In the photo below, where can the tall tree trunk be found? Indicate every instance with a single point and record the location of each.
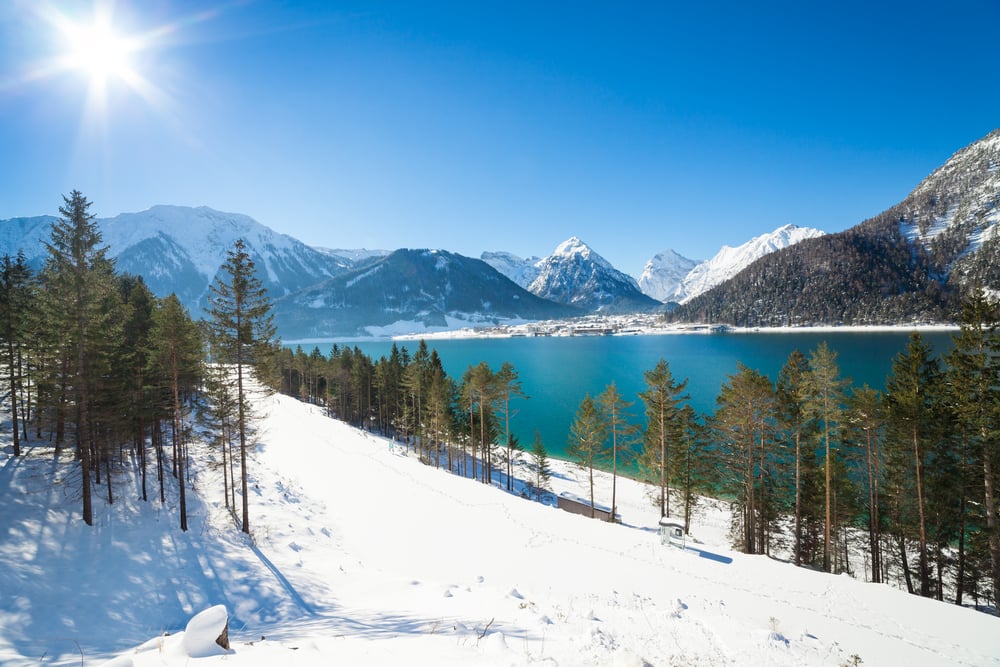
(798, 497)
(989, 500)
(179, 444)
(12, 376)
(922, 528)
(243, 446)
(829, 508)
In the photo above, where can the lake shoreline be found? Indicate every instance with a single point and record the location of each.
(569, 331)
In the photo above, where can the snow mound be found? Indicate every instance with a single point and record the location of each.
(203, 632)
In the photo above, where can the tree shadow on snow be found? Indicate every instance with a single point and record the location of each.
(72, 589)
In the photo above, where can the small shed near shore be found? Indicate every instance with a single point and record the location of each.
(577, 505)
(672, 532)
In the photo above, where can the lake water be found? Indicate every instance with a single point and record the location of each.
(556, 372)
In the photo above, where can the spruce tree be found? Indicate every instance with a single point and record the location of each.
(77, 272)
(243, 334)
(540, 464)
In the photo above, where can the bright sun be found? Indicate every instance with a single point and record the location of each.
(105, 56)
(97, 51)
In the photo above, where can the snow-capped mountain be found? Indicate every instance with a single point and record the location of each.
(165, 243)
(522, 271)
(663, 274)
(729, 261)
(411, 290)
(576, 275)
(954, 214)
(914, 262)
(180, 249)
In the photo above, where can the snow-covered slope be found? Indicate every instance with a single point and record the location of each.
(663, 274)
(354, 256)
(574, 274)
(729, 261)
(363, 555)
(522, 271)
(954, 215)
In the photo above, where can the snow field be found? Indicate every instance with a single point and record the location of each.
(363, 555)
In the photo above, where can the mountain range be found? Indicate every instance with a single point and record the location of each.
(669, 277)
(575, 275)
(910, 263)
(323, 292)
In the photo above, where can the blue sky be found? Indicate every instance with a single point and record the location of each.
(475, 126)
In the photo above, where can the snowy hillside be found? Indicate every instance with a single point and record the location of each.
(964, 194)
(576, 275)
(729, 261)
(663, 275)
(363, 555)
(522, 271)
(354, 256)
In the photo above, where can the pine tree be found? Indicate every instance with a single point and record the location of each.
(866, 426)
(440, 399)
(540, 465)
(508, 386)
(243, 334)
(911, 399)
(743, 425)
(824, 402)
(139, 303)
(614, 409)
(177, 356)
(795, 425)
(77, 273)
(662, 399)
(478, 391)
(974, 377)
(588, 436)
(15, 297)
(692, 462)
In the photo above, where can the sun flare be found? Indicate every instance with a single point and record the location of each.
(97, 51)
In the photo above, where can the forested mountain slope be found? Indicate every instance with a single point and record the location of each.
(911, 263)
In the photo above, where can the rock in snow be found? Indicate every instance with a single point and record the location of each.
(207, 633)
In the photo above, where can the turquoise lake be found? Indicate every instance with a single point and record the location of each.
(557, 372)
